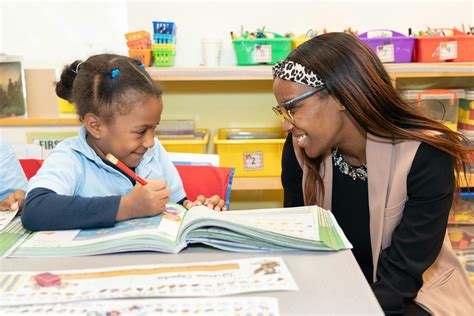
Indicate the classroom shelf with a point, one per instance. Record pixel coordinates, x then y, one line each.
210 73
263 183
409 70
24 121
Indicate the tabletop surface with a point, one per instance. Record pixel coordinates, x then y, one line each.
329 282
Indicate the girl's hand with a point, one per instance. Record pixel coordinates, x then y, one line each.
144 200
214 202
13 202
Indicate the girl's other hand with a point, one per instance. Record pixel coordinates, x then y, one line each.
13 202
214 202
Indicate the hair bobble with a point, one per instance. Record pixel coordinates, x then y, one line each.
76 71
115 72
142 66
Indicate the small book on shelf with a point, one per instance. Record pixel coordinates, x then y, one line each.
303 228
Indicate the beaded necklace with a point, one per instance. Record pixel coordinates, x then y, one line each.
347 169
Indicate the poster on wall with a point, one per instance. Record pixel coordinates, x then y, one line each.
12 87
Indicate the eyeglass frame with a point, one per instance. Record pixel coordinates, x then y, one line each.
286 115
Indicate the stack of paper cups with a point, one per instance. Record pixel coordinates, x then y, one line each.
211 50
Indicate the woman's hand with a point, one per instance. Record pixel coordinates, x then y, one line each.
214 202
13 202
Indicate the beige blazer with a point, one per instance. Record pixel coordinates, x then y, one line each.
446 289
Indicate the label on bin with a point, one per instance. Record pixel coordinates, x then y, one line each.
253 160
262 53
448 50
386 53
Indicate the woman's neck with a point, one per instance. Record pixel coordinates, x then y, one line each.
352 144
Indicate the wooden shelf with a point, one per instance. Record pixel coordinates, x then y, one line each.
410 70
211 73
24 121
263 183
423 70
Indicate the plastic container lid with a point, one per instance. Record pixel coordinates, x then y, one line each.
413 94
469 94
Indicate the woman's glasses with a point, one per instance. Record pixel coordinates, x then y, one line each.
283 111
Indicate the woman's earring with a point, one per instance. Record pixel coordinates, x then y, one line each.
97 136
343 108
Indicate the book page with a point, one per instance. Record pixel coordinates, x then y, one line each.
171 280
137 307
165 226
12 235
300 222
6 217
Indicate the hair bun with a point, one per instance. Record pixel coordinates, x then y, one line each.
65 84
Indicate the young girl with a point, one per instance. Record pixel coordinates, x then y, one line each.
120 106
12 179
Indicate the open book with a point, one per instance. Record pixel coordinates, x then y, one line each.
305 228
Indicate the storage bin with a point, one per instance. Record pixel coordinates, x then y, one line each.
257 157
138 35
196 145
174 128
390 46
466 113
431 49
139 44
164 38
438 104
160 27
297 41
143 55
65 107
161 59
257 51
461 231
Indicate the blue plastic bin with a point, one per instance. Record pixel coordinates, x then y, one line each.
160 27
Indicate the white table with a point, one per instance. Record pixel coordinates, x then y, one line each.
329 283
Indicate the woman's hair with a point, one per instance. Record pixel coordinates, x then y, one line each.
355 76
100 84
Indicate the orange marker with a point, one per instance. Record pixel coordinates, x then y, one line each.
125 169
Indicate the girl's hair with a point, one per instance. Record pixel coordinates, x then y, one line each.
100 84
354 76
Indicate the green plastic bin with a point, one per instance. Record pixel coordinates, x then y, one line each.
262 51
163 55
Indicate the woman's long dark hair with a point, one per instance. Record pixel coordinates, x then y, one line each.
355 77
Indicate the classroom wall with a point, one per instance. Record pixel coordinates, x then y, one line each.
55 32
221 17
52 33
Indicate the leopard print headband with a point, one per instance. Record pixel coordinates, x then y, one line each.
290 70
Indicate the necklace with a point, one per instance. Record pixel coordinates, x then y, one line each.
346 168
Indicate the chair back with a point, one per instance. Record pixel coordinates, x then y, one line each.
206 180
30 166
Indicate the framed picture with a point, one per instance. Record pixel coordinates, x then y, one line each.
12 88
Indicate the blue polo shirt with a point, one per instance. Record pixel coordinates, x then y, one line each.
86 190
12 177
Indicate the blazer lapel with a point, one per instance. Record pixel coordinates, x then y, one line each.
326 174
379 159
